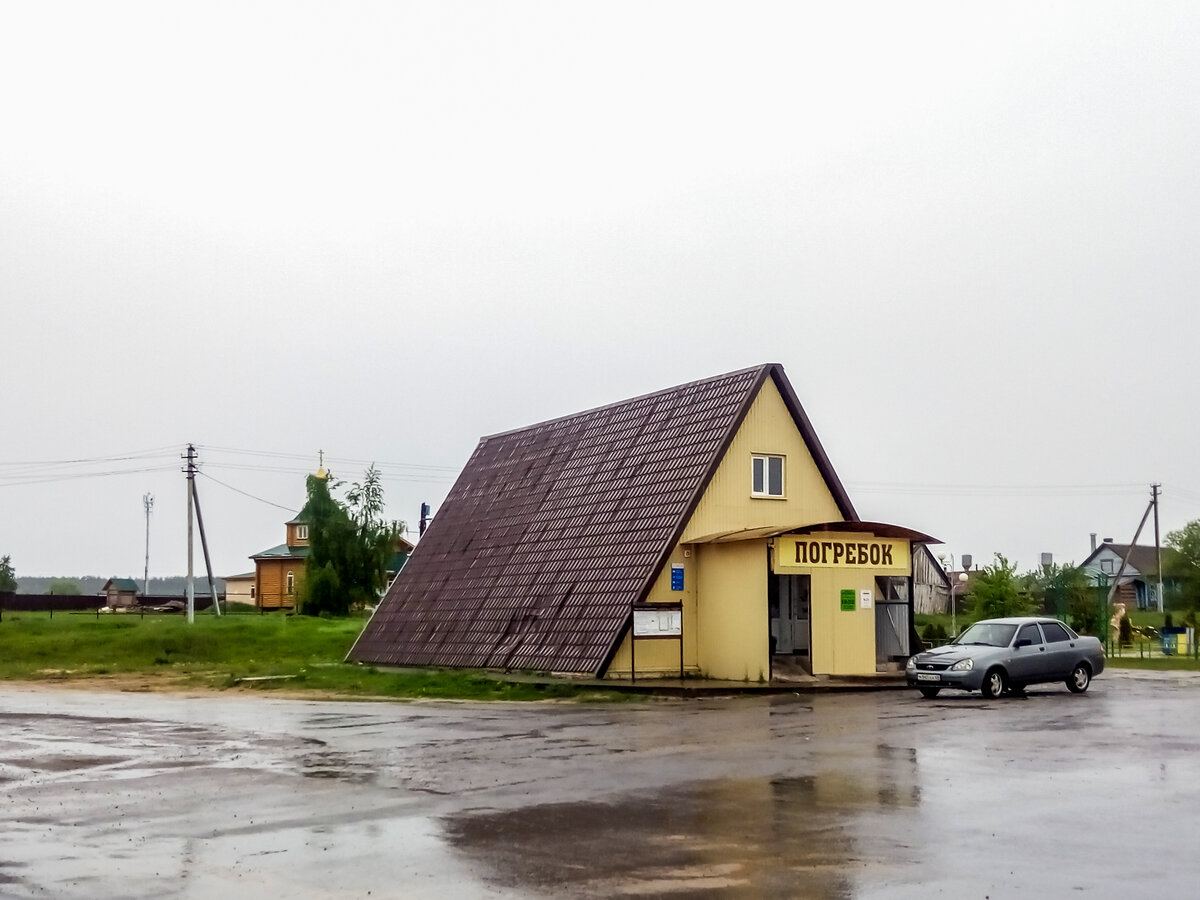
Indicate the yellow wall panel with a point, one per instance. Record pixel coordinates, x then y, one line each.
732 611
660 656
843 643
727 504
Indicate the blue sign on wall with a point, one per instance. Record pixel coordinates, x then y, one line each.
677 577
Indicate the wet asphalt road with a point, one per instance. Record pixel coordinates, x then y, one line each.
880 795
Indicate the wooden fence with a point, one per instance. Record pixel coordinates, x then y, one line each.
87 602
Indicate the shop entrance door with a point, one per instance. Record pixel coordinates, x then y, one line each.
892 624
789 611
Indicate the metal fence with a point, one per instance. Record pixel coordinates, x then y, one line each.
1172 643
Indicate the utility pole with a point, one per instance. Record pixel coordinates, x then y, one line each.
148 503
212 584
1116 582
190 470
1154 489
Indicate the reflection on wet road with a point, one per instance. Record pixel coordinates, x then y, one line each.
821 796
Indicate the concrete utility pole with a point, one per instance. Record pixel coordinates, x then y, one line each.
148 503
212 584
1116 582
190 470
1154 489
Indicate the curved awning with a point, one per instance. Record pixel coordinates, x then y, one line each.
878 529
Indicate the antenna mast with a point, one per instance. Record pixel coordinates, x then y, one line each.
148 503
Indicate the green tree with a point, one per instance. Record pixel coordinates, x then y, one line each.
64 586
1067 592
365 499
350 546
8 578
1184 565
997 592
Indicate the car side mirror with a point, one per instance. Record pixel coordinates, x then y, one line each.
1023 642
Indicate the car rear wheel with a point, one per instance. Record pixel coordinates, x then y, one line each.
994 684
930 692
1080 678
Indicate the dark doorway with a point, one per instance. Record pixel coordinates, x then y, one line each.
893 619
788 605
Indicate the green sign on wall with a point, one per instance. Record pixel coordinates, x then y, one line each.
848 604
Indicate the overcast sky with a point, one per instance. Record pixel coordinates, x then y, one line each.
382 230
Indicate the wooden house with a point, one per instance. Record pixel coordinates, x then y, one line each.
120 592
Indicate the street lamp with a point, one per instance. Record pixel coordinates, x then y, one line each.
962 579
948 565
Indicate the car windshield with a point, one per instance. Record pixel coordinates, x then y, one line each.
987 634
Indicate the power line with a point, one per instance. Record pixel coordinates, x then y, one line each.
128 455
307 458
246 493
1185 492
999 490
19 481
305 470
31 472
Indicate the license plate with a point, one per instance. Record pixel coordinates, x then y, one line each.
925 676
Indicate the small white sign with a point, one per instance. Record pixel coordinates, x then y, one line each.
865 600
657 623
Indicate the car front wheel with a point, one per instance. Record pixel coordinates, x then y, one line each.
994 684
1080 678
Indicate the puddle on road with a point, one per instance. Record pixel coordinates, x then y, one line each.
729 837
337 767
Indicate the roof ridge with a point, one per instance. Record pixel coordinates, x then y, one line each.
635 399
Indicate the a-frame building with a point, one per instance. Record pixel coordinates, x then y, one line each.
699 529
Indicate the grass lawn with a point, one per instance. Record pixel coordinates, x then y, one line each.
1130 660
164 651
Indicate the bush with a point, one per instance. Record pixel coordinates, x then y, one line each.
935 632
321 593
995 593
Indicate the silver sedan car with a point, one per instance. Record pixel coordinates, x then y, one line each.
998 656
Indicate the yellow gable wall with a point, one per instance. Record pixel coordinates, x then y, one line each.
727 504
725 625
731 616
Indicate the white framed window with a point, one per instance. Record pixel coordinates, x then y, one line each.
1106 566
302 532
766 475
291 583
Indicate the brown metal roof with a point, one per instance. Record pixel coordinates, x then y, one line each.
552 532
878 529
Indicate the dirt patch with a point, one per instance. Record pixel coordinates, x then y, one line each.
192 685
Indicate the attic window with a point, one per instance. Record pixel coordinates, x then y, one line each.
766 476
1106 566
302 532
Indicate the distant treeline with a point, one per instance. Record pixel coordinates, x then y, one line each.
174 586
